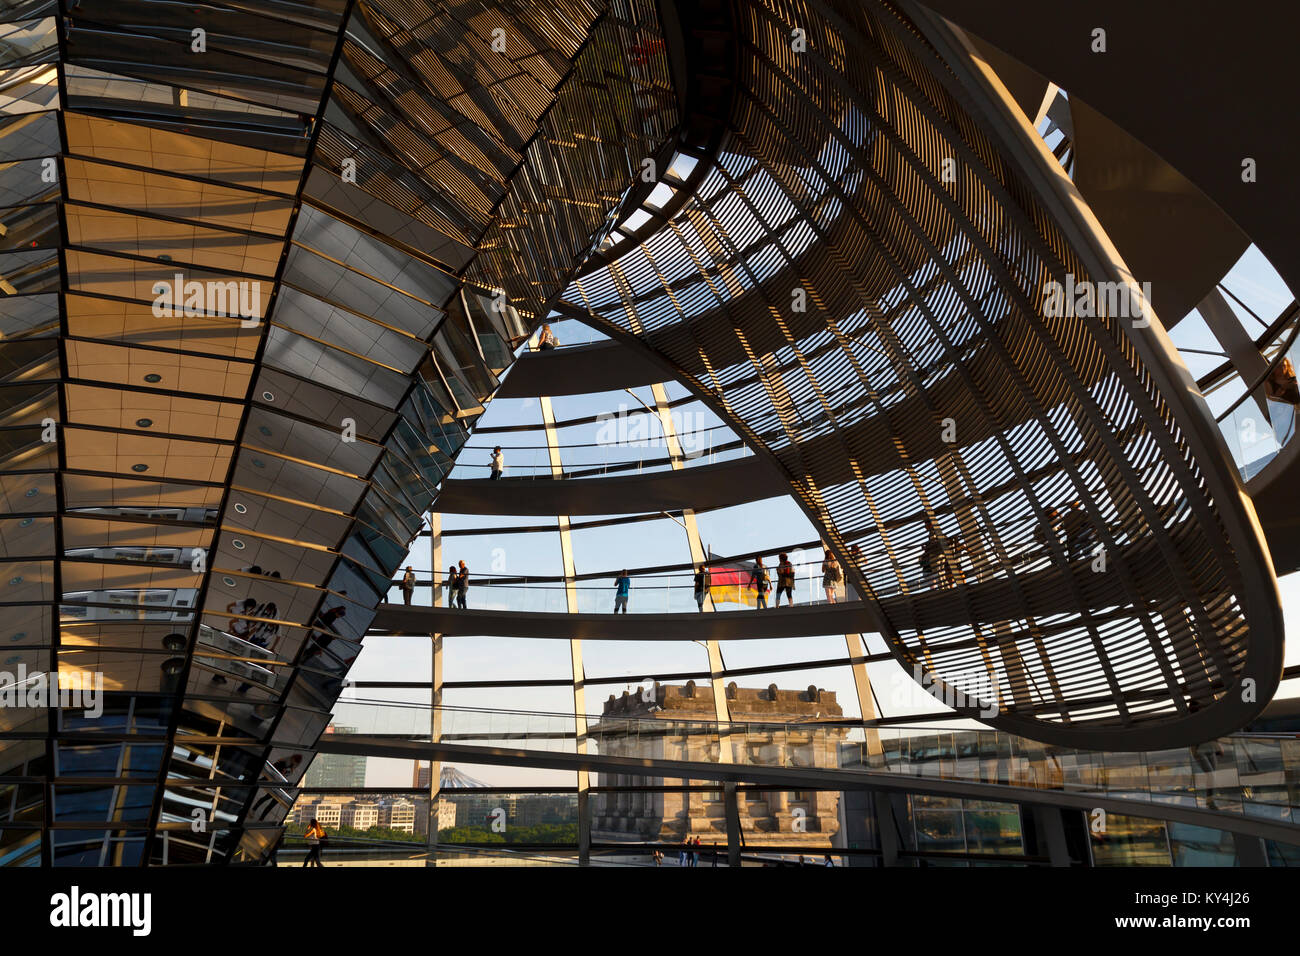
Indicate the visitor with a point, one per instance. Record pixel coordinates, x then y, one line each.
1281 384
831 576
622 587
453 585
784 579
408 586
701 586
263 634
938 557
328 619
1048 532
828 861
546 340
321 636
695 853
241 627
759 581
462 586
315 837
265 631
498 463
1080 535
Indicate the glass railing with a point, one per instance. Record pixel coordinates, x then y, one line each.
668 592
674 591
611 461
627 442
347 851
1255 776
647 596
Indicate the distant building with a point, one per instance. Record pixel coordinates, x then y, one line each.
360 816
774 818
327 814
397 814
449 778
446 818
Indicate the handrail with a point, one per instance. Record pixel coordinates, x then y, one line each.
543 471
1018 551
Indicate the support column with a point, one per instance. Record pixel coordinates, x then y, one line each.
575 645
673 445
435 699
1250 850
886 828
730 799
1050 831
435 556
1237 343
862 684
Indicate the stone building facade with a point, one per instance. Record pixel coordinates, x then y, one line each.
676 723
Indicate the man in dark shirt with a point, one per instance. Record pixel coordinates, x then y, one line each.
758 579
462 585
701 586
940 561
784 579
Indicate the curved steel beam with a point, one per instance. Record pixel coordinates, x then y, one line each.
1214 649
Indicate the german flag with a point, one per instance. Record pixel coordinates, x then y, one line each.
729 583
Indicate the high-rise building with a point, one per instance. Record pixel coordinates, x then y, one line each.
336 771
